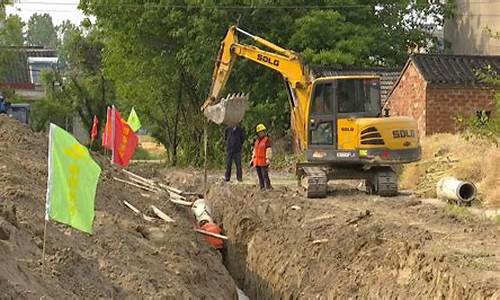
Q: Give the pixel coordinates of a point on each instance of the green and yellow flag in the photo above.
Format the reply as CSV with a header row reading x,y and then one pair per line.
x,y
133,120
72,181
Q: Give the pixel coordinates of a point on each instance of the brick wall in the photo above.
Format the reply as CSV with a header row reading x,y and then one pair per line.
x,y
408,97
444,103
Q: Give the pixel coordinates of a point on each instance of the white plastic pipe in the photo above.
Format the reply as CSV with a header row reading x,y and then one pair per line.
x,y
202,211
450,188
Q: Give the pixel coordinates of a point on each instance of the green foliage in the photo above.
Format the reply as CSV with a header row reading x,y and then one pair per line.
x,y
12,32
458,212
483,125
143,154
160,54
41,31
11,35
82,90
48,111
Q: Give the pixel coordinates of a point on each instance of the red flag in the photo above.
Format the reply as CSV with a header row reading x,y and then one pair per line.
x,y
106,133
93,131
124,140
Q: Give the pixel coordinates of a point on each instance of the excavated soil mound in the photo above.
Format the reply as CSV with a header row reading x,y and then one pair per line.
x,y
445,155
125,257
354,246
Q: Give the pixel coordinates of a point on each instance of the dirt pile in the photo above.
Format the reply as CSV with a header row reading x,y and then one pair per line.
x,y
126,256
444,155
354,246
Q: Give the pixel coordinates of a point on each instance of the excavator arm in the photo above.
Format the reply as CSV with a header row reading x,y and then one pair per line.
x,y
286,62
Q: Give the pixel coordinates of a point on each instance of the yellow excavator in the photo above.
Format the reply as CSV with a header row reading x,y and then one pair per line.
x,y
336,120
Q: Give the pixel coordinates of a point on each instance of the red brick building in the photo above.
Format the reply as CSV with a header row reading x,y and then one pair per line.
x,y
434,89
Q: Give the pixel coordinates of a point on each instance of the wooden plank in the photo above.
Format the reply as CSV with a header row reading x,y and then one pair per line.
x,y
137,211
134,184
149,181
161,214
140,182
133,208
211,234
320,241
181,202
176,196
171,189
148,218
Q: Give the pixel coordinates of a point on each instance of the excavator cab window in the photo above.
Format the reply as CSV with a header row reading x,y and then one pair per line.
x,y
358,97
322,126
323,99
322,133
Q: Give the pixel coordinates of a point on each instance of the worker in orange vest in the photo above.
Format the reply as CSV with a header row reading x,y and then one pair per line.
x,y
261,157
213,228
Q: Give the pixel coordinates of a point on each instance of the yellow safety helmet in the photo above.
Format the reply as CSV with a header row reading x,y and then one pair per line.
x,y
260,128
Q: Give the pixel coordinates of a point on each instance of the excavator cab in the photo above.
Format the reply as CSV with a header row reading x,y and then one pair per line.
x,y
334,99
348,138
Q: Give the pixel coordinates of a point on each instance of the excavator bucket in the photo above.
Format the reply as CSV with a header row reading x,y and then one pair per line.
x,y
229,110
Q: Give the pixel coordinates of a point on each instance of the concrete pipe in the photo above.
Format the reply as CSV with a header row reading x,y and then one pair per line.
x,y
450,188
202,211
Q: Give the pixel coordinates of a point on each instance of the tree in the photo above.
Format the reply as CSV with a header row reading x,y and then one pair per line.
x,y
12,31
81,89
161,53
41,31
11,36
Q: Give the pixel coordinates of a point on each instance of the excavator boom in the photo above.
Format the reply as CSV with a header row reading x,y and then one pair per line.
x,y
231,109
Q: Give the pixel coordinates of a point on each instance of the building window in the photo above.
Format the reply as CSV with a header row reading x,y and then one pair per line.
x,y
37,65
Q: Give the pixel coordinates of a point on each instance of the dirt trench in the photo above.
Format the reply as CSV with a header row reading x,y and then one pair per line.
x,y
126,257
280,245
351,245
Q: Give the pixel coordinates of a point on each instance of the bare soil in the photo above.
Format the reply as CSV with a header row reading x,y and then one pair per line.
x,y
352,245
125,257
281,245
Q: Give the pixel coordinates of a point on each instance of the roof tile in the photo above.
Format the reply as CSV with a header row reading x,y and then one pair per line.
x,y
453,69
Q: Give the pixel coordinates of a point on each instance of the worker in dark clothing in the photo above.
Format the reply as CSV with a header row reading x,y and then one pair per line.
x,y
261,157
234,137
4,105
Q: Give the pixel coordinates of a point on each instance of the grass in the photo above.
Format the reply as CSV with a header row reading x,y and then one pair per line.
x,y
142,154
476,160
459,212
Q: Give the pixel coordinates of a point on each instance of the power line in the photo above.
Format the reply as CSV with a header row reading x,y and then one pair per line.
x,y
152,4
214,6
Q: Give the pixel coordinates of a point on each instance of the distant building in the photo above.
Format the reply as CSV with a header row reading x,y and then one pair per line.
x,y
466,32
434,89
25,69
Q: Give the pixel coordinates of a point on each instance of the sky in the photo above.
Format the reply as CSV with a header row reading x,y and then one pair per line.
x,y
60,10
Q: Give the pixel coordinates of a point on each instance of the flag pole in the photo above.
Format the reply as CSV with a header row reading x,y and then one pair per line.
x,y
113,133
43,248
205,147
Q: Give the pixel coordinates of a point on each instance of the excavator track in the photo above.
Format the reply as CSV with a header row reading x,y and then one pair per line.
x,y
383,182
314,182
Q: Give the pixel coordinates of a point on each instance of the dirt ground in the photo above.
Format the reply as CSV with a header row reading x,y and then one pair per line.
x,y
126,257
351,245
281,245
